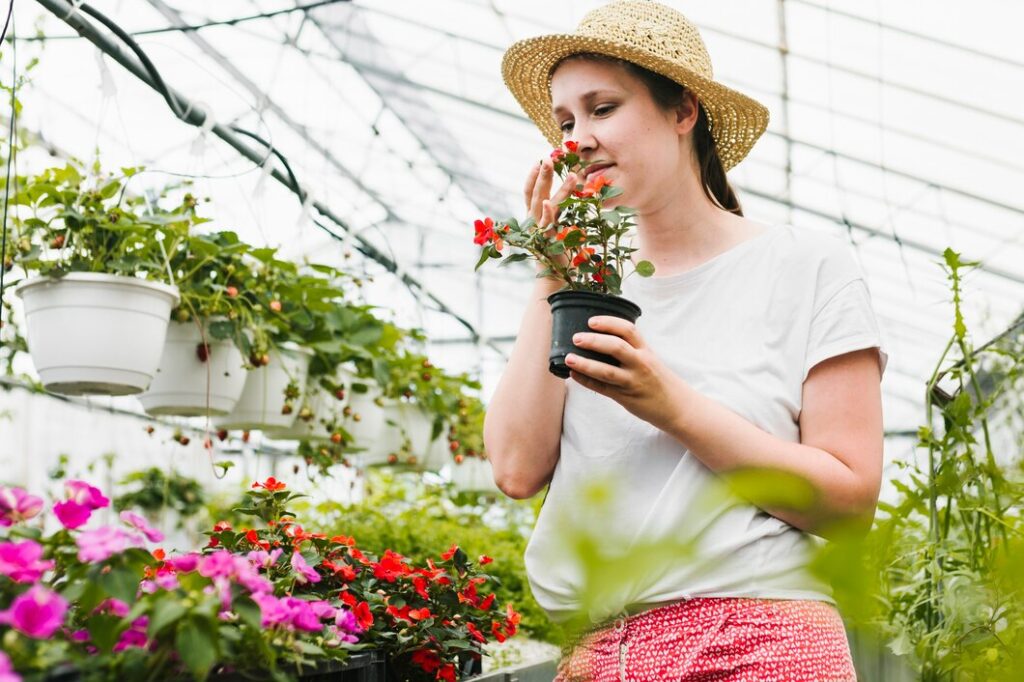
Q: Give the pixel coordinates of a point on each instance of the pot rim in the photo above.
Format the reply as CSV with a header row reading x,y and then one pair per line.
x,y
99,278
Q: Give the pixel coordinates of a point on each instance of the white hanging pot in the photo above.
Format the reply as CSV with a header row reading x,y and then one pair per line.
x,y
474,475
188,385
365,423
404,420
96,334
261,405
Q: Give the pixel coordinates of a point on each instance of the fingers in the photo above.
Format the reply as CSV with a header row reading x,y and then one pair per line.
x,y
541,189
591,372
619,327
614,346
531,180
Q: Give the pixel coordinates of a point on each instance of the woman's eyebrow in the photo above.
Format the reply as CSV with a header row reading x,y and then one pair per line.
x,y
587,98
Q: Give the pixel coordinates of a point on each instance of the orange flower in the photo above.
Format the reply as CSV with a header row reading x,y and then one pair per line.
x,y
271,484
583,256
420,614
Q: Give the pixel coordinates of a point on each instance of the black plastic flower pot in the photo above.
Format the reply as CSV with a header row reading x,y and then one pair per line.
x,y
570,312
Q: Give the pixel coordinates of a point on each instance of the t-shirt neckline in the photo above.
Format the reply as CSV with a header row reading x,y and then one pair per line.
x,y
713,263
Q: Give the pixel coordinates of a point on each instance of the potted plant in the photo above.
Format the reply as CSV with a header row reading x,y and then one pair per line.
x,y
583,248
98,293
213,330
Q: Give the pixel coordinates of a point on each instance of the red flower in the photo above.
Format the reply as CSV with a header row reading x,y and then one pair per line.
x,y
484,231
421,587
496,631
221,526
583,256
447,556
446,673
271,484
487,602
511,620
159,554
484,560
420,614
469,596
572,146
475,633
363,615
557,155
343,540
348,598
428,660
398,613
601,274
390,567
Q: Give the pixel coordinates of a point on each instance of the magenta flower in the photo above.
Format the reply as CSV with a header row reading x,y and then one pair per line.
x,y
139,523
17,505
22,561
303,615
263,559
37,613
306,572
273,611
72,514
186,563
102,543
220,563
114,607
7,673
83,493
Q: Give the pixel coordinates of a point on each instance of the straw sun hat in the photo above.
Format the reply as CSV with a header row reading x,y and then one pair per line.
x,y
650,35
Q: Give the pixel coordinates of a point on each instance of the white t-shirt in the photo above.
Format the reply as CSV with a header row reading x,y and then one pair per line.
x,y
744,329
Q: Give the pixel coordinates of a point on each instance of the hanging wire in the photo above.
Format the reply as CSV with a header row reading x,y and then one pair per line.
x,y
10,156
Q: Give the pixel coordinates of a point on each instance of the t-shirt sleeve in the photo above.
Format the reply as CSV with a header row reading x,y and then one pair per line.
x,y
843,318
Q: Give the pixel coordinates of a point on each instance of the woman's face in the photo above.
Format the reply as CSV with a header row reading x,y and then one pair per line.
x,y
610,113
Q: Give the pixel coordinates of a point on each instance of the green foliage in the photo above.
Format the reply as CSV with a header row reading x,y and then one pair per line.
x,y
153,491
944,565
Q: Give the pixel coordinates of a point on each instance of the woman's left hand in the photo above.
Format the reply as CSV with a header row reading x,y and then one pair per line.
x,y
642,384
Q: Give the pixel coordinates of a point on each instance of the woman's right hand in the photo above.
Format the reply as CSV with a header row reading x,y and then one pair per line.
x,y
542,207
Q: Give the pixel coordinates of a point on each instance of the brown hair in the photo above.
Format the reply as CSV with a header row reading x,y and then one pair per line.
x,y
667,94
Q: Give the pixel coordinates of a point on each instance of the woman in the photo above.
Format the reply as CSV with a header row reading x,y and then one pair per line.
x,y
757,348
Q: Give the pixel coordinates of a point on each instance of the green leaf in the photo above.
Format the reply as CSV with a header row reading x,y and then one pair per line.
x,y
221,329
248,612
166,612
120,583
484,256
104,631
645,268
514,258
195,644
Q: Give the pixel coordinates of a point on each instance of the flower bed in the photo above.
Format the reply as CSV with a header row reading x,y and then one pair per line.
x,y
273,599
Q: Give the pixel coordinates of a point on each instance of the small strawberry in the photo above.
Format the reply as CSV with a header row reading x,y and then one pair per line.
x,y
454,446
392,458
203,351
427,376
231,292
458,459
275,306
57,242
222,434
340,394
245,436
336,438
286,409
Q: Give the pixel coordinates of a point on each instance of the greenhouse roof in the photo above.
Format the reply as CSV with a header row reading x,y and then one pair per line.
x,y
896,128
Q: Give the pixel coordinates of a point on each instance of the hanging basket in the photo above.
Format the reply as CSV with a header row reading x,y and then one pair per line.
x,y
406,420
96,334
261,405
194,380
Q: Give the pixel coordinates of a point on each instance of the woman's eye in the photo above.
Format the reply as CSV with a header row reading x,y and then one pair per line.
x,y
566,127
601,111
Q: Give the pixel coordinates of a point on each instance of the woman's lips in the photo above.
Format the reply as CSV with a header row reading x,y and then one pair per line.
x,y
597,169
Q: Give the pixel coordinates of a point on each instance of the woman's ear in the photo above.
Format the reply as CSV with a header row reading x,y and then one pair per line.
x,y
686,113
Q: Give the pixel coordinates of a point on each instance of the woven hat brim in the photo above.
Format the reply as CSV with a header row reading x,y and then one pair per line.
x,y
736,120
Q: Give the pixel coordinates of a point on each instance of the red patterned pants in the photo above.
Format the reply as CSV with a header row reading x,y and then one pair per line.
x,y
716,639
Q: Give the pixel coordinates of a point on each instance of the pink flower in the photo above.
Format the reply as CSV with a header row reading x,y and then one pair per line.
x,y
139,524
21,561
186,563
102,543
7,673
114,607
83,493
262,559
220,563
37,613
17,505
166,581
346,621
306,572
72,514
